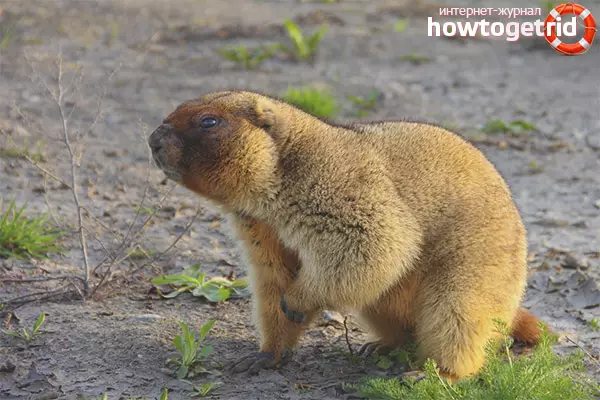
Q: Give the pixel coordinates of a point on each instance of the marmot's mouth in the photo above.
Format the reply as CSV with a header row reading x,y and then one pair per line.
x,y
170,172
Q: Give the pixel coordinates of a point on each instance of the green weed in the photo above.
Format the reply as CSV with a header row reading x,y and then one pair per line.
x,y
415,58
318,102
400,25
595,324
541,376
26,334
214,289
248,58
14,151
23,237
191,350
365,105
305,47
499,126
6,36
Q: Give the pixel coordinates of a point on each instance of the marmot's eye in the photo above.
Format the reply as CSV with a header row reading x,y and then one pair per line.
x,y
208,122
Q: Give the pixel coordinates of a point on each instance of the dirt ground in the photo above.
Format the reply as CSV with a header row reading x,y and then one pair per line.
x,y
144,57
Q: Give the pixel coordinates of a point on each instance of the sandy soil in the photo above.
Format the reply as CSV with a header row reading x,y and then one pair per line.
x,y
144,57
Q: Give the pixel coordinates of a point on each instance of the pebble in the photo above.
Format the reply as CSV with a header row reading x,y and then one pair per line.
x,y
147,318
7,366
575,262
597,203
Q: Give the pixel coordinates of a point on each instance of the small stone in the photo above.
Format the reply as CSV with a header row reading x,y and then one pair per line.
x,y
147,318
575,262
333,318
597,203
7,366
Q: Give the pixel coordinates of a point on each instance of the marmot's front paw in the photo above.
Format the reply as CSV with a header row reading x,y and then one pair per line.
x,y
292,315
254,362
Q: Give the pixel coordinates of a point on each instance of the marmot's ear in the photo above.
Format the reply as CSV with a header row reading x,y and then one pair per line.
x,y
264,114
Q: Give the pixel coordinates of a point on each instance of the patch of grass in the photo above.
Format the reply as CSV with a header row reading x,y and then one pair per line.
x,y
142,210
365,105
191,350
139,253
6,36
415,58
214,289
548,5
540,376
499,126
248,58
205,389
305,47
400,25
23,237
595,324
13,151
26,334
318,102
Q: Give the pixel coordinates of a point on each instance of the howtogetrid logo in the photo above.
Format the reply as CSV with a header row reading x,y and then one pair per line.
x,y
552,33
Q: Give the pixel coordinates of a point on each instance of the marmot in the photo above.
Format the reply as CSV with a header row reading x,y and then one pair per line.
x,y
404,222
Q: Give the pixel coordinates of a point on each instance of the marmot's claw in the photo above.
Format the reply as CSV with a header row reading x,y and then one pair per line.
x,y
370,348
253,363
294,316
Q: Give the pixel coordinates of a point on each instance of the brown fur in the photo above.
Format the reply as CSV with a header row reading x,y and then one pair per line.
x,y
404,222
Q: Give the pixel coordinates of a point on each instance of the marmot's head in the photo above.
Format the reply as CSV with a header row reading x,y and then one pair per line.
x,y
220,146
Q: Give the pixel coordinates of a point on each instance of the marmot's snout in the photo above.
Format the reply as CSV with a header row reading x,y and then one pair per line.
x,y
166,151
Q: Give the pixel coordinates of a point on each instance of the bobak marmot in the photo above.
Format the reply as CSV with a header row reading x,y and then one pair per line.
x,y
404,222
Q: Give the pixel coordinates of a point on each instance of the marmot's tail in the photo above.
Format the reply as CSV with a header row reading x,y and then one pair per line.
x,y
526,327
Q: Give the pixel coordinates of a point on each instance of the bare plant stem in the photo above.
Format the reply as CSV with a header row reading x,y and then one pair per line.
x,y
346,336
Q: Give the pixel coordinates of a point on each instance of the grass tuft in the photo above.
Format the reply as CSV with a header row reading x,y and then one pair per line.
x,y
318,102
248,58
540,376
305,46
23,237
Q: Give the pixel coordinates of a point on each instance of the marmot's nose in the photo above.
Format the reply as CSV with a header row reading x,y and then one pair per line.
x,y
156,138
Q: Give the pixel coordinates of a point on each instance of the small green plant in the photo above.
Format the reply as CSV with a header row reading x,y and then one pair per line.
x,y
192,280
305,47
400,25
165,394
6,36
205,389
595,324
248,58
365,105
191,350
23,237
541,376
415,58
14,151
499,126
26,334
318,102
548,5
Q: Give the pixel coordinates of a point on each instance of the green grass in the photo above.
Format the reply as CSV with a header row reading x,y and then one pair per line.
x,y
13,151
191,350
415,58
499,126
595,324
248,58
192,280
6,36
318,102
23,237
26,334
365,104
400,25
540,376
305,46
